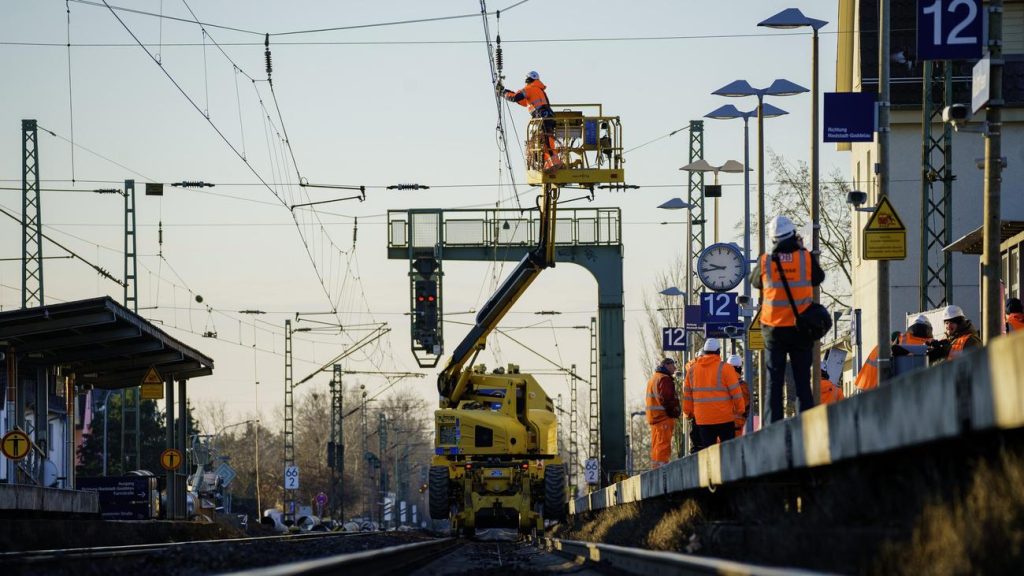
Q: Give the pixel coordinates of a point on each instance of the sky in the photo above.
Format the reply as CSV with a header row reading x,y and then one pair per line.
x,y
366,106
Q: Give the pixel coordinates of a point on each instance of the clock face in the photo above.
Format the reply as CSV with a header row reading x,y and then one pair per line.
x,y
721,267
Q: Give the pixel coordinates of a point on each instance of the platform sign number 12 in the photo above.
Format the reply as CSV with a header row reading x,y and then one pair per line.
x,y
949,29
291,478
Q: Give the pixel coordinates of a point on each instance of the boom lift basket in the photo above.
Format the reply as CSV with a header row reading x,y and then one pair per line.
x,y
589,146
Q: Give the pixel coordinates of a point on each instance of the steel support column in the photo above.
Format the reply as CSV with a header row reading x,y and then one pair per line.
x,y
181,428
289,422
170,491
936,266
31,223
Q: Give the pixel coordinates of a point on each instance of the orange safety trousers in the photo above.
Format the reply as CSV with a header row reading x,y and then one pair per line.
x,y
661,442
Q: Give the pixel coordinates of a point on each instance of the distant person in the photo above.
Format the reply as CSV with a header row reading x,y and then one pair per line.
x,y
919,333
830,393
1014,315
662,411
960,336
712,396
736,362
535,98
788,259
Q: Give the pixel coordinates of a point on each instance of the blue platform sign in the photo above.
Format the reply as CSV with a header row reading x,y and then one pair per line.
x,y
718,307
850,117
949,29
673,339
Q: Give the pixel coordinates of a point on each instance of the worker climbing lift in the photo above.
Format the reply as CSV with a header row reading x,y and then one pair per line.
x,y
535,98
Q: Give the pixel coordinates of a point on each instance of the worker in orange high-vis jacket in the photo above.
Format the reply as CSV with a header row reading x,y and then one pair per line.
x,y
662,411
960,336
830,393
712,396
1014,315
919,333
790,261
535,98
736,362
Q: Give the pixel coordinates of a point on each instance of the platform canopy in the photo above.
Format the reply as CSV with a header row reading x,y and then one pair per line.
x,y
973,242
102,342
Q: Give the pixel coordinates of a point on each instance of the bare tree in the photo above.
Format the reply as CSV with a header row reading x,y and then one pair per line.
x,y
792,198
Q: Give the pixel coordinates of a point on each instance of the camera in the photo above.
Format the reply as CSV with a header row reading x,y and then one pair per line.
x,y
731,331
856,198
742,300
956,114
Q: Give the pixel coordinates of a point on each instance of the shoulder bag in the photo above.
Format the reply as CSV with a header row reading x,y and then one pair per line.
x,y
815,321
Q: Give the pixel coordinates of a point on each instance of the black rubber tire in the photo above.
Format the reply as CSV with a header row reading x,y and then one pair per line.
x,y
438,489
554,492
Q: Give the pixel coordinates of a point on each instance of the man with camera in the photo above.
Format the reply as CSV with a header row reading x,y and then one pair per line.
x,y
787,277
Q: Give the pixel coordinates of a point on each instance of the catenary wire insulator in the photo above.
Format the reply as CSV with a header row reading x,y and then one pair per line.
x,y
266,53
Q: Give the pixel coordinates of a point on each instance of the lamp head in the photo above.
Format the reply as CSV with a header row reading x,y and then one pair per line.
x,y
782,87
675,204
736,89
673,291
791,18
771,111
728,112
700,165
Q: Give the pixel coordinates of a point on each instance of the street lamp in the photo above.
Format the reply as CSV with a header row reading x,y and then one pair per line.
x,y
788,19
702,165
678,204
729,112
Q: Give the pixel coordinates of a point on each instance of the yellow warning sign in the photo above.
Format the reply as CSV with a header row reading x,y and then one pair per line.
x,y
884,236
170,459
152,385
755,338
15,444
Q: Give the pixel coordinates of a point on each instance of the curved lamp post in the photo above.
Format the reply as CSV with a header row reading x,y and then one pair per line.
x,y
728,112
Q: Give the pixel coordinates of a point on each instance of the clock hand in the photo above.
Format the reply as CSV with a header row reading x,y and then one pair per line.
x,y
713,267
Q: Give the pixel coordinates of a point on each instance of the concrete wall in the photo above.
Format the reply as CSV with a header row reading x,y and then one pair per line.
x,y
980,391
18,497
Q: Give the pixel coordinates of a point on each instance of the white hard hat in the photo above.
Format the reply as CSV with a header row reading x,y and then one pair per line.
x,y
921,319
712,345
533,75
734,360
952,311
781,228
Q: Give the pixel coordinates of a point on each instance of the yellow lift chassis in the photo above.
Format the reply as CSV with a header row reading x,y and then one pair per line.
x,y
496,461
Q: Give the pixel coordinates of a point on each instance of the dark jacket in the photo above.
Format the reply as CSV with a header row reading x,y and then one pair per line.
x,y
784,247
667,392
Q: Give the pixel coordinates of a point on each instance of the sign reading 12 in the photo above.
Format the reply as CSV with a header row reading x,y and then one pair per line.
x,y
949,29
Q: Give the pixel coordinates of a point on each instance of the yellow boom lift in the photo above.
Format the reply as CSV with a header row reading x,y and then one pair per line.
x,y
496,461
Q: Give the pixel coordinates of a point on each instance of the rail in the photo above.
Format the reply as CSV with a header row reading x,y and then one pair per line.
x,y
638,561
418,229
380,561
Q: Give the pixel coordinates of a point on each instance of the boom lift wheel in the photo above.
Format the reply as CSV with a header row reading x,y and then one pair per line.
x,y
439,497
554,492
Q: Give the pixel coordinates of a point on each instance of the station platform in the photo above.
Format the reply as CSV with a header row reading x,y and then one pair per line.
x,y
979,392
21,499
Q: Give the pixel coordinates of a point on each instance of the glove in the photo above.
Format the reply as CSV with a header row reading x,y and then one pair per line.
x,y
938,349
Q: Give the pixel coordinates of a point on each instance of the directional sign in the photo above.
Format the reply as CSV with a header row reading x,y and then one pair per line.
x,y
885,236
15,444
171,459
949,29
227,474
718,307
673,339
850,117
152,385
755,339
291,478
692,317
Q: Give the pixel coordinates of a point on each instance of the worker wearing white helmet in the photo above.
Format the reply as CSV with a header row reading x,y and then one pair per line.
x,y
736,362
534,97
919,333
960,336
712,396
787,276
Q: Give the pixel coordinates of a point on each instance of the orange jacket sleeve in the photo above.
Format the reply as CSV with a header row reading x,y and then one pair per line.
x,y
688,394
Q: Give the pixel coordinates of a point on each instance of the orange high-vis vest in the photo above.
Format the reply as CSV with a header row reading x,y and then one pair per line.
x,y
711,393
830,393
1015,322
775,307
655,410
867,378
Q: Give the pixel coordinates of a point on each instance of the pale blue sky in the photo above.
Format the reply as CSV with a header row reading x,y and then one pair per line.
x,y
361,112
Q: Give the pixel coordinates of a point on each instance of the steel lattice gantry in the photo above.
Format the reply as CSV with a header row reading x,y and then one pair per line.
x,y
936,272
588,237
696,200
31,219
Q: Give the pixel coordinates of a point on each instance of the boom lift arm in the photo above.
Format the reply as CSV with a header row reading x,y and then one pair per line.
x,y
452,381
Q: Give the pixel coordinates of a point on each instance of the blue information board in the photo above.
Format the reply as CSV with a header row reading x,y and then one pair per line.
x,y
718,307
949,29
673,339
850,117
